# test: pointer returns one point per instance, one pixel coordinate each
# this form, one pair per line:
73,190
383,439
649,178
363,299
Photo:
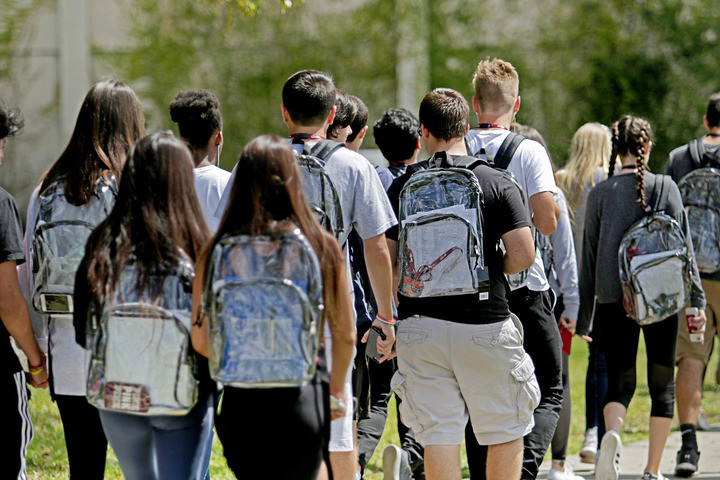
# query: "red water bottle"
691,313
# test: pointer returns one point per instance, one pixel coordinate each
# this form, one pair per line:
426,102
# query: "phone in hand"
371,350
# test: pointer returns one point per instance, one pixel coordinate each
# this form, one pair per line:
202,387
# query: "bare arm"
199,333
15,317
393,249
545,212
377,260
519,250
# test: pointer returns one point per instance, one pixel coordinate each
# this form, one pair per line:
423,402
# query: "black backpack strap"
656,193
443,160
324,148
471,163
507,150
696,149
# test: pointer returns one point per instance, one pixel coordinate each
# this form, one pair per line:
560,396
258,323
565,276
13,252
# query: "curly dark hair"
11,121
396,134
197,113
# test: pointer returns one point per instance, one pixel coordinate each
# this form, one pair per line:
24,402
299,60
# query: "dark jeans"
596,383
84,437
542,342
370,428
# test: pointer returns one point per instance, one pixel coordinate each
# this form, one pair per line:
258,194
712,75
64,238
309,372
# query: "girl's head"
267,189
589,151
156,213
109,123
197,113
631,137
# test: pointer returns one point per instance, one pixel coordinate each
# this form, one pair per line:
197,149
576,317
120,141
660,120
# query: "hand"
697,323
587,338
38,379
568,323
338,413
386,347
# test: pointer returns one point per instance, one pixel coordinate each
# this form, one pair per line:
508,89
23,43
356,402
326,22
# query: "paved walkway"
634,456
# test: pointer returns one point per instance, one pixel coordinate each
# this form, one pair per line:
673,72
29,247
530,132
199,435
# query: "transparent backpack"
441,237
61,232
142,361
700,191
263,298
655,266
517,280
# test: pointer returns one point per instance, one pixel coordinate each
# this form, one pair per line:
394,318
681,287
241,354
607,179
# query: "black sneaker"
687,461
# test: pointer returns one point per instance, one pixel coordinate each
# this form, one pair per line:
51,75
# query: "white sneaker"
589,446
568,474
650,476
608,462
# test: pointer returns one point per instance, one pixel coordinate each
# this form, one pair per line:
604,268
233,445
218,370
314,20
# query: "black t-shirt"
11,250
502,211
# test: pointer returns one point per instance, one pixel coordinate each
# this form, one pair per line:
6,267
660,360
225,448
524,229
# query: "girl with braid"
612,207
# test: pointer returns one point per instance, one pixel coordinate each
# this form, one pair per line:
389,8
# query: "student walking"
79,186
15,323
133,303
587,166
614,206
267,214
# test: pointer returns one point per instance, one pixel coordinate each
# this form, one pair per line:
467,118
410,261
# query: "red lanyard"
307,136
492,125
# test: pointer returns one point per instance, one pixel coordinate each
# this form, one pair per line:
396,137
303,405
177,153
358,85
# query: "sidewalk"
634,456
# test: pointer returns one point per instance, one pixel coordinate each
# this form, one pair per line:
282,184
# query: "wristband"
386,322
35,369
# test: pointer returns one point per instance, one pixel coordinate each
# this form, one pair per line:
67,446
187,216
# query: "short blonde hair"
496,85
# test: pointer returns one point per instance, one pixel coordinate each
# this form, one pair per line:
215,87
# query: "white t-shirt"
532,170
210,183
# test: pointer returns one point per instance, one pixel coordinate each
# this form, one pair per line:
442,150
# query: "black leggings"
620,336
250,422
84,437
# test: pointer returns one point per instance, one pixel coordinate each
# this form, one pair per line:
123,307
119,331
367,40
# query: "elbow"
519,262
546,226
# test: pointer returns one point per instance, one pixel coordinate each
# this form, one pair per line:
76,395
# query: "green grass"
47,458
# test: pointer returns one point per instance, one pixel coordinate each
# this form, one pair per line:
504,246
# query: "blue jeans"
162,447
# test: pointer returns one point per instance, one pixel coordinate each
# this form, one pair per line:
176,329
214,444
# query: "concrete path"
634,456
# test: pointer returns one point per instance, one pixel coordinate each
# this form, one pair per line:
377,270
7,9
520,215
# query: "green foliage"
15,18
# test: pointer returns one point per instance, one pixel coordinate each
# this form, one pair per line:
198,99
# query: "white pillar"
73,62
412,71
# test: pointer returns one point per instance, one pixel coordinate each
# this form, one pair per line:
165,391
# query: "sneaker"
650,476
396,465
703,425
589,446
687,461
568,474
608,462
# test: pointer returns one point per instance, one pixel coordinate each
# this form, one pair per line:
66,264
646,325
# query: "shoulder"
679,152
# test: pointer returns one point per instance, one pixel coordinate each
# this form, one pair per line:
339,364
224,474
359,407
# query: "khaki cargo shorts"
701,351
449,372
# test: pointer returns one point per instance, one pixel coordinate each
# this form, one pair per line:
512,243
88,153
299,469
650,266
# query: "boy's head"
713,110
396,134
360,120
11,123
444,113
496,86
345,113
309,96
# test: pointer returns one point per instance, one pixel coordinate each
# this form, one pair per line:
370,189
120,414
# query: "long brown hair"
629,136
267,196
109,123
155,214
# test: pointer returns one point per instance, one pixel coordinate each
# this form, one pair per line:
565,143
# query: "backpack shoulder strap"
656,194
324,148
696,149
471,163
507,150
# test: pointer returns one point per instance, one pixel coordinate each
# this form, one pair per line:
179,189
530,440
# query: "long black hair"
156,213
109,123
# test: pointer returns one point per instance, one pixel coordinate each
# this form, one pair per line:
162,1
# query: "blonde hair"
589,152
496,85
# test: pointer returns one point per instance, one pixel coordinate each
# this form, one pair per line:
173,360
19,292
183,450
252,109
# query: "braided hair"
629,136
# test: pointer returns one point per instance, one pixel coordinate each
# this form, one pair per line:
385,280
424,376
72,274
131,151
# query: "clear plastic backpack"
700,191
517,280
61,232
319,189
142,361
655,265
441,238
263,299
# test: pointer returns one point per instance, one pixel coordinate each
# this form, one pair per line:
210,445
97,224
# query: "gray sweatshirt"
612,208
